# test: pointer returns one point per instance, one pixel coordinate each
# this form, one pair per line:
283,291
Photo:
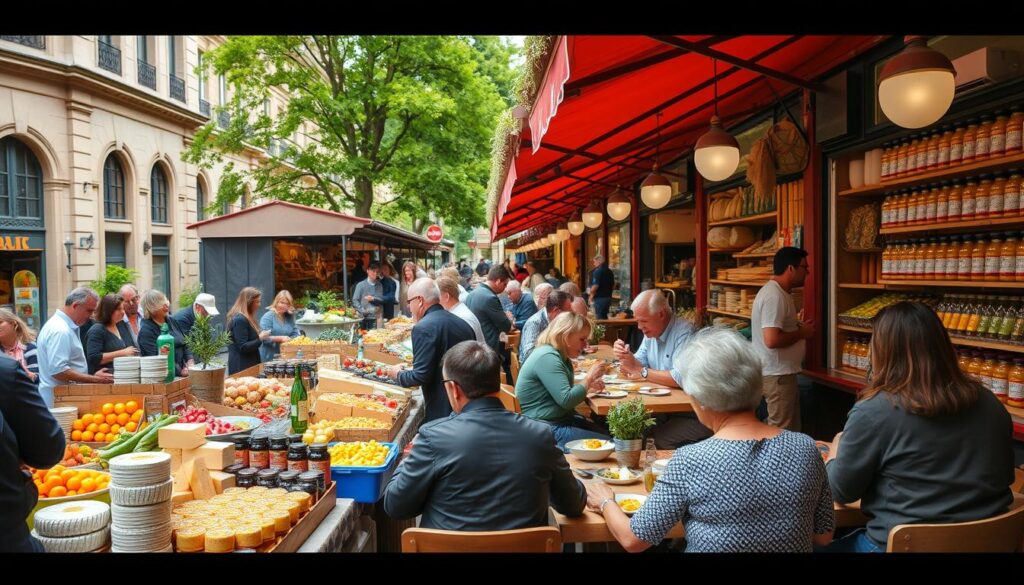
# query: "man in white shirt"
779,337
449,288
61,356
130,294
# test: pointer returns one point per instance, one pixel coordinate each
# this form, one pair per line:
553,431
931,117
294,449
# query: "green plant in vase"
627,422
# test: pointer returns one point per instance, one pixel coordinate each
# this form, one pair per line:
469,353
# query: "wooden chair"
546,539
1018,481
1002,533
508,398
514,365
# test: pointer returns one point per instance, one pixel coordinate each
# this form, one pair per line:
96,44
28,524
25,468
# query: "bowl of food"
619,475
630,503
591,449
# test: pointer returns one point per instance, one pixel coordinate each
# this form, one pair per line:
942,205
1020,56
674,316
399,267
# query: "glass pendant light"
717,154
656,190
916,86
592,215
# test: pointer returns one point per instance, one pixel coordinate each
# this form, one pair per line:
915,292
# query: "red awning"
604,133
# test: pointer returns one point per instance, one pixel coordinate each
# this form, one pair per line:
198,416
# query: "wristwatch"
643,372
604,502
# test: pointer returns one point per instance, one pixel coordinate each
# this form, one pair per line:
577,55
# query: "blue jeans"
568,433
601,305
857,541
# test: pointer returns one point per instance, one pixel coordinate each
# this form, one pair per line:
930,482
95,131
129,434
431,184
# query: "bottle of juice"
963,266
1008,257
993,257
1015,387
974,366
1001,377
1009,320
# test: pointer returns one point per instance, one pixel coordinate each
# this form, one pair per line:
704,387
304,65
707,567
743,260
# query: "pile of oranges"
60,481
107,424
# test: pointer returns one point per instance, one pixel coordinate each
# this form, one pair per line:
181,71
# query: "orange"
76,435
104,428
107,408
86,419
131,426
115,429
137,416
88,485
131,406
100,438
111,418
68,474
92,428
78,426
58,492
87,436
102,484
73,484
72,493
39,485
57,469
123,418
51,482
119,408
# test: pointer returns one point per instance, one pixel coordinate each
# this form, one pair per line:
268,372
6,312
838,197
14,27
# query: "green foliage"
204,341
597,333
328,300
628,419
188,295
113,279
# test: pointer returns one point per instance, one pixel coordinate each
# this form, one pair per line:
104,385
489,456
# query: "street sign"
434,233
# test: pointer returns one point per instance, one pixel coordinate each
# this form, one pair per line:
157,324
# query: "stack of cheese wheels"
73,527
140,496
237,519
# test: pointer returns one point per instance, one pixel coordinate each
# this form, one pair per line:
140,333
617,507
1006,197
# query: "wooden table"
677,401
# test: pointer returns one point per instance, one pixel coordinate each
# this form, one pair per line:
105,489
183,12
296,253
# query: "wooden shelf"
861,286
959,171
956,283
731,283
728,314
853,328
724,250
961,341
762,219
837,378
955,226
760,255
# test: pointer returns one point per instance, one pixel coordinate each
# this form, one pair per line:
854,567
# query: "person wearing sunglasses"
778,333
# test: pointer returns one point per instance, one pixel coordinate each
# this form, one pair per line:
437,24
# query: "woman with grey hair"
751,487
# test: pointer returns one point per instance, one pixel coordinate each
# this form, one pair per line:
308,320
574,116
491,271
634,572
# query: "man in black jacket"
435,332
483,301
28,434
484,467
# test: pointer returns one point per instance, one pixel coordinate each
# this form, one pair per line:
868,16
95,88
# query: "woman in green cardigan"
545,387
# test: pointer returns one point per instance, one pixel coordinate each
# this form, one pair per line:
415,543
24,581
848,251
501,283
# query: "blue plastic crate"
365,484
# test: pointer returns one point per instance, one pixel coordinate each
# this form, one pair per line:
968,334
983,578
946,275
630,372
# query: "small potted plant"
207,376
627,421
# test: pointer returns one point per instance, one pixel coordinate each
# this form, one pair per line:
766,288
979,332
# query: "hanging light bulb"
656,190
592,215
716,154
916,86
576,225
563,232
618,206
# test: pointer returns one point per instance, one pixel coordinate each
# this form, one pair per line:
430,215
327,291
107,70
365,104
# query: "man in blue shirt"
523,306
602,281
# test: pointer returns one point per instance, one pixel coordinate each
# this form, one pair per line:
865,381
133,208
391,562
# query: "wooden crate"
297,535
313,351
379,435
151,404
159,397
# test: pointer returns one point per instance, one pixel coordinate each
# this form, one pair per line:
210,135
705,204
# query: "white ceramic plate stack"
140,502
153,369
127,370
66,417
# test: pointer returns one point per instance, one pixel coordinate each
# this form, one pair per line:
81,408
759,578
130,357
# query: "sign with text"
434,233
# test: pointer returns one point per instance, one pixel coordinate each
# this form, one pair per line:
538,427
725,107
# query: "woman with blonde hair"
16,340
279,320
545,387
246,337
410,272
155,310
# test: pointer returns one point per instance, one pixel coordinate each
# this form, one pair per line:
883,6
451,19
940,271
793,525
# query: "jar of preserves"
310,486
974,366
932,151
993,258
259,453
887,211
1015,384
234,469
970,135
981,138
931,205
902,155
297,457
241,451
912,152
1011,196
981,197
988,366
287,479
885,161
1014,129
921,154
978,249
920,259
931,259
279,452
963,267
319,459
902,203
267,478
1001,378
956,192
942,204
1008,258
949,255
956,146
996,193
967,202
912,207
963,357
942,161
997,136
246,478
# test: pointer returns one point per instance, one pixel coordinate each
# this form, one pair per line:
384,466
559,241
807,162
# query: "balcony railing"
204,108
177,88
109,57
223,120
147,75
34,41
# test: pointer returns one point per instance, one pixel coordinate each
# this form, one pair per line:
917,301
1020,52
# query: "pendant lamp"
656,190
716,154
576,225
916,87
592,215
618,206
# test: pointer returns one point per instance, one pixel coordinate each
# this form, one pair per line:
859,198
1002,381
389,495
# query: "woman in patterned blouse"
749,488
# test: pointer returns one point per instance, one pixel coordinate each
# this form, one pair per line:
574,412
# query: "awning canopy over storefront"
592,124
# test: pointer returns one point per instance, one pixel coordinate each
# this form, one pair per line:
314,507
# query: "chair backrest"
546,539
514,365
1002,533
508,398
1018,481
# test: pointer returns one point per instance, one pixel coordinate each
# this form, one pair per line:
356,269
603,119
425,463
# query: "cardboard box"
379,435
375,414
348,386
324,410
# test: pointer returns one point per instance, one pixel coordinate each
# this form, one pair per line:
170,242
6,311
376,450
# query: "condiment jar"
981,138
997,136
902,155
319,459
943,153
279,452
993,258
246,478
1015,387
1001,378
988,367
1011,196
942,204
241,450
1018,271
956,193
297,457
1014,129
287,479
963,266
931,204
956,146
309,485
969,140
267,478
968,201
981,197
919,154
259,452
978,249
932,151
1008,258
996,193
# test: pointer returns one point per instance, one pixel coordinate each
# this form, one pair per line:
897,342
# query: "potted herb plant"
207,376
627,421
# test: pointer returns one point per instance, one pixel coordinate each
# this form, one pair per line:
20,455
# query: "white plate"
637,476
612,394
620,497
252,422
647,391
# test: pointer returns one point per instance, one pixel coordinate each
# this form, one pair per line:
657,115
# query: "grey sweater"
910,469
363,288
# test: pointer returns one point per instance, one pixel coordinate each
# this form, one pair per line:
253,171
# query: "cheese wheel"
277,492
190,539
233,491
141,496
267,528
75,544
303,498
220,540
140,469
282,520
141,516
248,536
294,508
72,518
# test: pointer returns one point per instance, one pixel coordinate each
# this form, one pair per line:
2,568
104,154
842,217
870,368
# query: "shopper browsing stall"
111,337
279,320
205,304
389,298
246,337
156,309
368,297
61,355
16,340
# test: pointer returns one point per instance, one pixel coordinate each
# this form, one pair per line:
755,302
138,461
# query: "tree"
414,113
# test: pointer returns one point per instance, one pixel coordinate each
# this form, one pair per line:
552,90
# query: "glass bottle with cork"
299,401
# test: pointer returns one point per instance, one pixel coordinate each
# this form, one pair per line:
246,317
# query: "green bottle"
300,402
165,346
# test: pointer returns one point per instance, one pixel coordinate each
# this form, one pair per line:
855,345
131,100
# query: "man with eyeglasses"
130,295
779,333
435,332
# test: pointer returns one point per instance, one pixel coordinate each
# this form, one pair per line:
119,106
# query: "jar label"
992,265
322,466
300,466
943,158
1007,264
1011,203
846,358
922,159
259,459
1015,390
901,215
901,164
981,205
922,211
950,269
954,209
942,210
1000,386
912,213
1019,270
242,457
919,266
929,266
886,266
963,266
978,266
279,460
930,210
981,147
933,157
1013,139
995,204
967,207
997,144
956,152
968,149
862,362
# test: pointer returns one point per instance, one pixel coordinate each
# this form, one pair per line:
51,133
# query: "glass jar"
318,477
981,197
1017,336
886,160
267,478
1014,129
310,486
931,258
931,205
902,155
1001,378
241,450
1011,196
932,151
1009,319
319,459
967,202
963,267
978,249
997,136
996,194
949,256
974,366
988,366
1008,258
969,140
246,478
956,146
259,453
956,193
920,258
912,208
959,324
287,479
279,452
942,161
1018,271
993,258
942,204
963,357
902,203
297,457
1015,386
234,469
887,211
981,138
920,155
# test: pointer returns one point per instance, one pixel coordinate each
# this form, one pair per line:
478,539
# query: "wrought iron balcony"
223,120
34,41
177,88
204,108
147,75
109,57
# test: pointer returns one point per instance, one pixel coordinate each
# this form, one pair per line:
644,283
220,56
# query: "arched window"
200,200
21,183
158,195
113,188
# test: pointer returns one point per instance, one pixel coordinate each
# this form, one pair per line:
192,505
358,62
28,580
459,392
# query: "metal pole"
344,267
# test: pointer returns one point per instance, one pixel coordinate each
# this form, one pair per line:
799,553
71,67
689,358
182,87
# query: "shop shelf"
959,171
724,250
956,283
956,225
961,341
862,285
760,255
852,328
732,283
728,314
762,219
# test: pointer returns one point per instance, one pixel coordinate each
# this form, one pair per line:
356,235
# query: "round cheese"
248,536
141,496
190,539
75,518
267,528
282,521
303,498
140,469
220,540
75,544
141,516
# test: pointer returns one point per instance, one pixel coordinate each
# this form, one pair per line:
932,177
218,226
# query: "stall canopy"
592,125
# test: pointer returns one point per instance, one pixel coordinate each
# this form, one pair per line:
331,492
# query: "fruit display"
59,481
75,455
323,431
214,425
105,425
373,402
369,369
385,336
862,314
266,398
359,454
399,350
239,518
334,334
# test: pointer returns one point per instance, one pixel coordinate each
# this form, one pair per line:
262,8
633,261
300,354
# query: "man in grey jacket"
483,301
368,296
484,467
